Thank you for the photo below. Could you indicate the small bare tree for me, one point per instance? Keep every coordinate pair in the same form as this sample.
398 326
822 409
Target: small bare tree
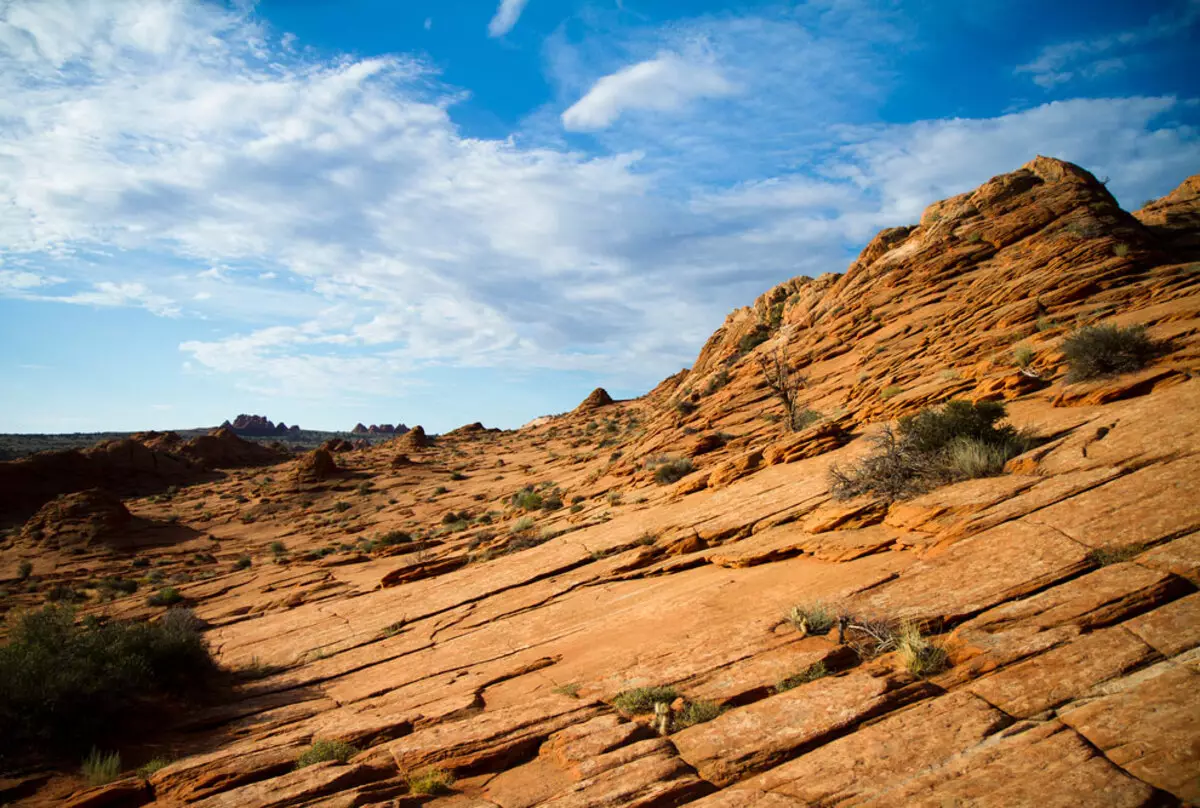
785 384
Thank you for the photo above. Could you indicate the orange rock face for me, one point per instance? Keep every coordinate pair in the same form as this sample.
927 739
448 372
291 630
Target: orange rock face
480 605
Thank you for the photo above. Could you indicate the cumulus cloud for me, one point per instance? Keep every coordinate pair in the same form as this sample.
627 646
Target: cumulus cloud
667 82
507 14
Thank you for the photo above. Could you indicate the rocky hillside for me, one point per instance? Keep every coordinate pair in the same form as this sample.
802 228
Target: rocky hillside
659 602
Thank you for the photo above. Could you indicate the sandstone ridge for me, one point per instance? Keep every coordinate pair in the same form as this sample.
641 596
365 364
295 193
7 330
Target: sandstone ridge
481 604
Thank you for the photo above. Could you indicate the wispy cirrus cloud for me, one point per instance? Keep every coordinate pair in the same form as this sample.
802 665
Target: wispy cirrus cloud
507 14
1065 62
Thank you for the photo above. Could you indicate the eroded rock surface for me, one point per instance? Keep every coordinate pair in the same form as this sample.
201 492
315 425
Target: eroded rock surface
475 603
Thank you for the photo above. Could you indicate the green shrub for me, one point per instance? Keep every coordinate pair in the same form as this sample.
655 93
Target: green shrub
642 699
527 499
277 548
65 686
685 407
695 712
430 781
522 525
890 391
167 596
673 469
1121 250
804 418
393 537
321 751
24 569
364 488
716 382
341 506
958 441
812 673
243 563
1115 554
1097 351
1023 356
99 768
753 339
570 689
441 489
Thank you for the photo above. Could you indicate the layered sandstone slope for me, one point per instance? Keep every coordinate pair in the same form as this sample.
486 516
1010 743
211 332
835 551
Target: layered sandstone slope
474 603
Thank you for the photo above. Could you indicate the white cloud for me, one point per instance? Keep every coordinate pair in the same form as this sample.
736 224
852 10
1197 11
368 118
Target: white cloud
193 159
429 23
507 14
1089 58
667 82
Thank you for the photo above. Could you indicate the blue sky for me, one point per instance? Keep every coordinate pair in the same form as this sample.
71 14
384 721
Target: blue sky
440 212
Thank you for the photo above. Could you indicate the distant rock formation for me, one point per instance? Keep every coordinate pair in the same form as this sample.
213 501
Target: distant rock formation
316 465
258 426
596 399
414 439
379 429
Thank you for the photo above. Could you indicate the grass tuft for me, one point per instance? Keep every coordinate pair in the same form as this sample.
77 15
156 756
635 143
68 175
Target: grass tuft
812 673
920 655
815 618
322 751
99 768
1099 351
642 699
430 781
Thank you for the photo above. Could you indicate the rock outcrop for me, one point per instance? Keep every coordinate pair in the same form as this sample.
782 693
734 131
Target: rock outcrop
595 399
598 609
77 520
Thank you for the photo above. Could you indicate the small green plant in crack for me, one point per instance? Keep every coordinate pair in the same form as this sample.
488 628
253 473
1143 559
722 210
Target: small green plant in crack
430 782
570 689
322 751
151 767
695 712
1115 554
642 699
812 673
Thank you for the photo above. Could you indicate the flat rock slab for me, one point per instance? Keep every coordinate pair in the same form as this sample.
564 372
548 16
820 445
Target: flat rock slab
1064 673
1170 629
1003 563
1180 557
1150 728
1097 599
488 738
875 758
753 678
792 540
750 739
646 777
1147 506
1048 766
293 788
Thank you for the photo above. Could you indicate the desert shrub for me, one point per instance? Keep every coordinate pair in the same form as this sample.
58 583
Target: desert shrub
577 507
673 469
812 673
24 569
891 391
815 618
525 523
716 382
642 699
1097 351
341 506
430 781
1023 356
1121 250
753 339
457 476
920 655
684 407
958 441
393 537
277 548
570 689
441 489
99 768
66 686
526 499
695 712
167 596
242 563
321 751
804 418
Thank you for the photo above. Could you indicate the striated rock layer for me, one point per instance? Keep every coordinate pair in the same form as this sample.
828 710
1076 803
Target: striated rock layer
475 603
